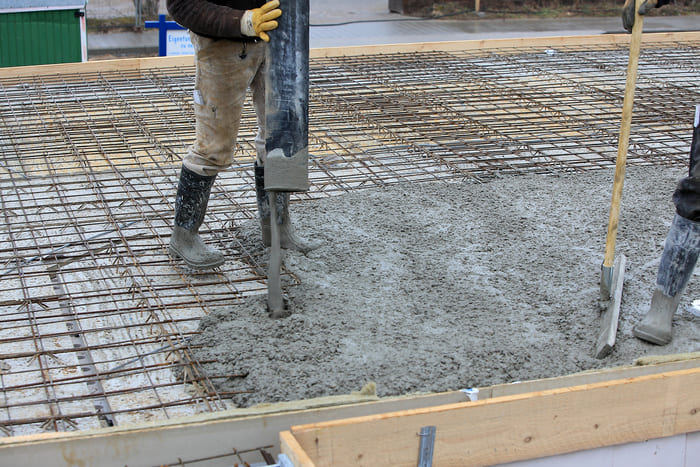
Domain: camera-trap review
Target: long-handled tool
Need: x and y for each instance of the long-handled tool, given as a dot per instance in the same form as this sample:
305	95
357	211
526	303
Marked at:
286	126
613	271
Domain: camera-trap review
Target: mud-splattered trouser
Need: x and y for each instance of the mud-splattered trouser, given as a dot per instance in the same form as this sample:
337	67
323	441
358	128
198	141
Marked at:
225	69
687	194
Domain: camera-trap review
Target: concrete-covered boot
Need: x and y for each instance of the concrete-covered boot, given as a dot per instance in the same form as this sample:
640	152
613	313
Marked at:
288	238
190	206
678	260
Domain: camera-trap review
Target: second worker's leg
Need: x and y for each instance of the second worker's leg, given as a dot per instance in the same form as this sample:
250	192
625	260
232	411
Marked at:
678	261
681	252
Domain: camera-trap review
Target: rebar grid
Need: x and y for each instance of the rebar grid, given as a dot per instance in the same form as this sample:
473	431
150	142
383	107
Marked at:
96	317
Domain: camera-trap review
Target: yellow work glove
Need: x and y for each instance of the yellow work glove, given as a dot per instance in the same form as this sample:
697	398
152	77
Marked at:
628	11
258	21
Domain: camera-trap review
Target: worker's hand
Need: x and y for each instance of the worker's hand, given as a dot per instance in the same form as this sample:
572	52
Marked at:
258	21
628	11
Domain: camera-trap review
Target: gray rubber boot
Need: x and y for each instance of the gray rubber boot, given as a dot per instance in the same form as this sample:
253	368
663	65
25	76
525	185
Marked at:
288	238
678	260
190	206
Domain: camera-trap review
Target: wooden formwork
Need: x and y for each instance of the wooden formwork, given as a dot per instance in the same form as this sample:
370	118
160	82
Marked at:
485	44
508	422
509	428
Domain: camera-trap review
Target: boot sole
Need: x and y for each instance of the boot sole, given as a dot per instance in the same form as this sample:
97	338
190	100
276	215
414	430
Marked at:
192	264
641	333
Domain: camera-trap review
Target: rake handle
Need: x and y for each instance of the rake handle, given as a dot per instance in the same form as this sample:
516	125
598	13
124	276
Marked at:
624	139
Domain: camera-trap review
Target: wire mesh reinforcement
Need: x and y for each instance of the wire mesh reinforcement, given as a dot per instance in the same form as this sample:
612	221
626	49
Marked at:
96	318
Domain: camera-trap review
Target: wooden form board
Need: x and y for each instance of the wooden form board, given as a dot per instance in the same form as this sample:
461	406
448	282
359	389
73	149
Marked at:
511	428
485	44
207	434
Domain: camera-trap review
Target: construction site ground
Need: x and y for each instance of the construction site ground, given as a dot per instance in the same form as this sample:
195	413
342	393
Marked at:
100	325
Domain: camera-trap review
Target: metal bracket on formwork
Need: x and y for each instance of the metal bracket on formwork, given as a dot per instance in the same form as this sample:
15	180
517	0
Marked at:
283	461
471	393
427	446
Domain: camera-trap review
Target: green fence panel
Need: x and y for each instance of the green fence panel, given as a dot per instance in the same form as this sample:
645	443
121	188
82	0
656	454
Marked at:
39	37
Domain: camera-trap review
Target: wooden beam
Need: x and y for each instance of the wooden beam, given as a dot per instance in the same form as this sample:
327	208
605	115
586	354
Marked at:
519	427
98	66
447	46
510	43
290	447
686	362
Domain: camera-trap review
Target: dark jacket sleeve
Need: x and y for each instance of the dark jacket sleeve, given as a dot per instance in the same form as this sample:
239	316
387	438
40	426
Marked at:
207	18
687	194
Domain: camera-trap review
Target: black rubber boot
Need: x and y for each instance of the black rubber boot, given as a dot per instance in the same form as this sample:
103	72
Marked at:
678	260
190	206
288	238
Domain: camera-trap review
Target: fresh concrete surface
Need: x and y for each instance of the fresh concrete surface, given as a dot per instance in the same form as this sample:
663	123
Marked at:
436	287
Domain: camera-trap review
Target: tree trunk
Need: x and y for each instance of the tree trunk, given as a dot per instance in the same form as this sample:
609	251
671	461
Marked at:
407	7
146	9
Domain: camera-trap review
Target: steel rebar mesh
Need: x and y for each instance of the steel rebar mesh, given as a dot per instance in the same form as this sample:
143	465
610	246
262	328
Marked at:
96	317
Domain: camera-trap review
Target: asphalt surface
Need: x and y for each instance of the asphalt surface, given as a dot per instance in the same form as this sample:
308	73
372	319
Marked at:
336	23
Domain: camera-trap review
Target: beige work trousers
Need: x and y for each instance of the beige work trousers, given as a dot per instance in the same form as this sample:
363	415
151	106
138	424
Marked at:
225	69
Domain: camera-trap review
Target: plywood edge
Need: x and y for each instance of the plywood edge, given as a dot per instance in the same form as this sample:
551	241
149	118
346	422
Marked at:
657	364
516	427
500	400
97	66
509	43
131	64
237	414
291	448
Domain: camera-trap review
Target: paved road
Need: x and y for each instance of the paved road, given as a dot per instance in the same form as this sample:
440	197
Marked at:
367	22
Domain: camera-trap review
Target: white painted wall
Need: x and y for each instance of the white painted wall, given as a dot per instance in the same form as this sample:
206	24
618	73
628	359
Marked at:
675	451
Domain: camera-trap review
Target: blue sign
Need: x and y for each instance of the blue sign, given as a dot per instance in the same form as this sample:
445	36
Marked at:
173	39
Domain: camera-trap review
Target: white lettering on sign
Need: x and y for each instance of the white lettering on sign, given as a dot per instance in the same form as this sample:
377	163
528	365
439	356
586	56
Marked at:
179	43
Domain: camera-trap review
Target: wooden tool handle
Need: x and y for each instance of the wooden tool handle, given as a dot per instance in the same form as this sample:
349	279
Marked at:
623	142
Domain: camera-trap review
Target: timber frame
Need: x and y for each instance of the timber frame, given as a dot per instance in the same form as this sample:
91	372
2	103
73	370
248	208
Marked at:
487	44
509	428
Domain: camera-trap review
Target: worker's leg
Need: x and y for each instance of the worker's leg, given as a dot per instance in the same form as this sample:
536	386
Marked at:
288	237
680	255
224	70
